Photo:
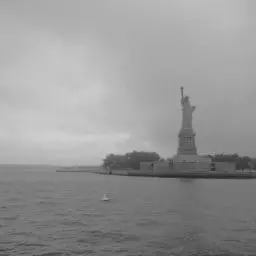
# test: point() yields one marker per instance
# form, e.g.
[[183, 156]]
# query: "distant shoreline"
[[92, 169], [171, 174]]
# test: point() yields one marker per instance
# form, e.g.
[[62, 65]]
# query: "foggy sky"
[[80, 79]]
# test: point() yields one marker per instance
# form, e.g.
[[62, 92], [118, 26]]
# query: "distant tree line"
[[133, 159], [129, 160], [242, 162]]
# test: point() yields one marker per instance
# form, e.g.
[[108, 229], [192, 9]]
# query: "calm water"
[[48, 213]]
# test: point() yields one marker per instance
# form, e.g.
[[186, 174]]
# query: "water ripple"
[[51, 214]]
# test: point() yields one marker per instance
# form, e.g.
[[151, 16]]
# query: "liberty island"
[[186, 163]]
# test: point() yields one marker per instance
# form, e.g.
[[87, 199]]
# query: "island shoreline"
[[184, 174]]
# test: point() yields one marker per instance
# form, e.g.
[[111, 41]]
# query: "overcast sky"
[[83, 78]]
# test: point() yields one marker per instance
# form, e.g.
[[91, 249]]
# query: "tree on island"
[[242, 162], [129, 160]]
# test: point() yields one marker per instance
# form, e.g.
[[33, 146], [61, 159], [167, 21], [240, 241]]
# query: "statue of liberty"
[[187, 111]]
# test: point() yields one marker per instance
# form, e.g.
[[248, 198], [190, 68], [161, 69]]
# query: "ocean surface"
[[55, 214]]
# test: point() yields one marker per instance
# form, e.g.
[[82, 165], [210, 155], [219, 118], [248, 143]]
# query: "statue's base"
[[187, 145], [191, 162], [187, 163], [190, 158]]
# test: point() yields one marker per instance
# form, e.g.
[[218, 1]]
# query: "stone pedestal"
[[187, 145], [191, 163]]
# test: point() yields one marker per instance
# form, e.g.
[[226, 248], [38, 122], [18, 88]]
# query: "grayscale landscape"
[[127, 127]]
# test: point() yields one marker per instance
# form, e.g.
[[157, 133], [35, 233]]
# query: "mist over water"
[[48, 213]]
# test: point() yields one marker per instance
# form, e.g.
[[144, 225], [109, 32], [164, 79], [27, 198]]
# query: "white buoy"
[[104, 198]]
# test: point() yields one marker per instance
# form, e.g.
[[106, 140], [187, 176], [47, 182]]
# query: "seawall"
[[196, 175], [186, 174], [169, 174]]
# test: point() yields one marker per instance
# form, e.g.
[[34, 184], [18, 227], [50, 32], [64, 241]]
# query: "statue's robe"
[[187, 111]]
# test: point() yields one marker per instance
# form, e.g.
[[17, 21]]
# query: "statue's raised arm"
[[181, 90]]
